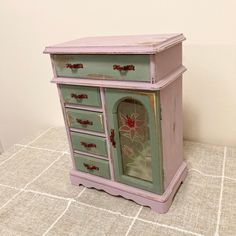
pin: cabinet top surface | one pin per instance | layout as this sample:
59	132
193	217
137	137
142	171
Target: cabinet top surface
128	44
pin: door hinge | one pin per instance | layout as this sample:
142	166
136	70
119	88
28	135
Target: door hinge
160	113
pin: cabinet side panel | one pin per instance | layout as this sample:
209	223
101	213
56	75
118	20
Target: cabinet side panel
172	129
167	61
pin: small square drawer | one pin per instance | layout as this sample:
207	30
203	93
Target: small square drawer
92	165
80	95
89	143
110	67
87	120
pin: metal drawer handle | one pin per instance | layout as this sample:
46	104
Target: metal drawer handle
75	66
112	138
79	96
89	167
127	67
88	145
84	122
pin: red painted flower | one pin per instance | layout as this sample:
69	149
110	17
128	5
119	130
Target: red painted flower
132	126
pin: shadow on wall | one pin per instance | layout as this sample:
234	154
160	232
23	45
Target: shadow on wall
191	123
209	98
1	147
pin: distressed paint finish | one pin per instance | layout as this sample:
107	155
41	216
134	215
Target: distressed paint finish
67	127
84	108
88	132
90	155
101	67
168	61
89	96
124	84
92	165
102	92
79	141
172	128
86	120
158	203
114	97
158	88
128	44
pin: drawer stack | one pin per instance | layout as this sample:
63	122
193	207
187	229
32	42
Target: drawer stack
85	121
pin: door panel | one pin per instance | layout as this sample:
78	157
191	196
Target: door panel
136	150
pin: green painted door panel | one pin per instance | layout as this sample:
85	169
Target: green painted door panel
87	120
102	66
89	143
92	165
137	155
80	95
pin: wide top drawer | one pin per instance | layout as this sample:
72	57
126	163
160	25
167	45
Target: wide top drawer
110	67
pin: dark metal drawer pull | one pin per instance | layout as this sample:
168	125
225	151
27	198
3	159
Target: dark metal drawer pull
79	96
88	145
84	122
112	138
127	67
89	167
75	66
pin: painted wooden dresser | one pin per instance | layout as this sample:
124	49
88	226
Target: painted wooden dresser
121	98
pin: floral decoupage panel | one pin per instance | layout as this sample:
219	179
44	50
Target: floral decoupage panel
134	139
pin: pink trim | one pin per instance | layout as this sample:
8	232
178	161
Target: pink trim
123	84
138	44
53	67
107	134
91	155
87	132
87	108
158	203
168	61
152	68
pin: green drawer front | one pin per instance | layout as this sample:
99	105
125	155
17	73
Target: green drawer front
92	165
81	95
86	120
89	143
102	66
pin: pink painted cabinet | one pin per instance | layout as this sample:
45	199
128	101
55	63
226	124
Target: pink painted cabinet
121	98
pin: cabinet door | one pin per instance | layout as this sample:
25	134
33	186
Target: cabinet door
134	123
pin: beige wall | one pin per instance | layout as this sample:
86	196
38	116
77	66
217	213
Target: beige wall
29	102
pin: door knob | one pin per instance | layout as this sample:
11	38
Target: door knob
112	138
